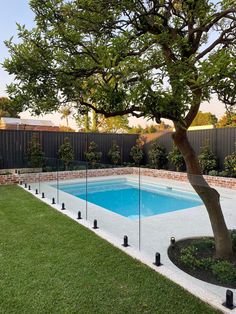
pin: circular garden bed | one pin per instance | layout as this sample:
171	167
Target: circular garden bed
197	257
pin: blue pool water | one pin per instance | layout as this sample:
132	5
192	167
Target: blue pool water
124	197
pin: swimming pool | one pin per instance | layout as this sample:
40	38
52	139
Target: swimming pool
129	199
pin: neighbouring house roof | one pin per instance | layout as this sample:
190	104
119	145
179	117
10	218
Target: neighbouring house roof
17	121
201	127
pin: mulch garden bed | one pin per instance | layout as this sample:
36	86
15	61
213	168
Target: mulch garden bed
174	254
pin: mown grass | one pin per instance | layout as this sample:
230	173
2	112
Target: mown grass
50	264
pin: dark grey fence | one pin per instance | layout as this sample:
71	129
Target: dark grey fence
221	141
14	144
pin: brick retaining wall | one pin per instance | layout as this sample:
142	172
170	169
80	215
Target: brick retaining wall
14	178
229	183
62	175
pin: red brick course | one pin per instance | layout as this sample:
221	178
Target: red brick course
229	183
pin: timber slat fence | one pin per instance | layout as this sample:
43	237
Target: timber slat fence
14	145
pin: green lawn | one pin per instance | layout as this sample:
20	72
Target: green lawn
50	264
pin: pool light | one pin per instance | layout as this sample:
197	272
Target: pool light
172	242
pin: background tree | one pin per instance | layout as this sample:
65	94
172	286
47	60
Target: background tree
119	124
145	58
66	111
66	153
227	120
83	121
136	129
9	108
63	128
204	118
94	126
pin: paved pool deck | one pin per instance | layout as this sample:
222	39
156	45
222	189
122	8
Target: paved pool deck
156	231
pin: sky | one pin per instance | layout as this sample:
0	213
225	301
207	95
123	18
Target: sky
18	11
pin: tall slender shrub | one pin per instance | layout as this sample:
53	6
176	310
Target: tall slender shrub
35	154
92	155
114	153
207	160
176	159
66	153
136	152
157	156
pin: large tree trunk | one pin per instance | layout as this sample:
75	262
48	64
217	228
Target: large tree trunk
209	196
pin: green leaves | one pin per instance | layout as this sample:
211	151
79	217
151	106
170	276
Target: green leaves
144	59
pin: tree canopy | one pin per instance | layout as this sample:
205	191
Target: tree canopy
147	58
228	120
204	118
8	108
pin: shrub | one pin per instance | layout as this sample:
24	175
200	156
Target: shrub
213	173
224	271
114	153
230	165
223	174
205	244
66	153
207	160
188	256
233	237
35	154
176	159
157	156
136	153
92	155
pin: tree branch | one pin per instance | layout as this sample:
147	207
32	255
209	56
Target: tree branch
219	40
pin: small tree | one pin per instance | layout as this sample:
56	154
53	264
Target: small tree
176	159
157	156
230	164
207	160
114	153
34	152
66	153
92	155
136	153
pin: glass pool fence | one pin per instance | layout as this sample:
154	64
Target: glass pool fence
125	202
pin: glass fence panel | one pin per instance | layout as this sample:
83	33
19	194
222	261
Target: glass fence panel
113	202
